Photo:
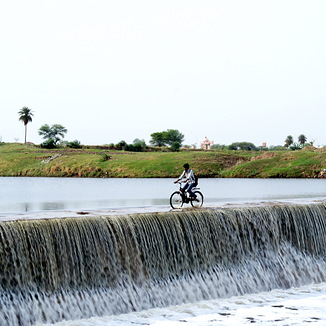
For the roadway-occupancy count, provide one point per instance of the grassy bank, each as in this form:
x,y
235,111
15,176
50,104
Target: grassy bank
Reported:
x,y
30,160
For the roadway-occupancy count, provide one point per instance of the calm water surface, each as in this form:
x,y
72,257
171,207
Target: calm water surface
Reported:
x,y
19,195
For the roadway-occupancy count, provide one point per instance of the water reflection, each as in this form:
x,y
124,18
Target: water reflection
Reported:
x,y
26,207
52,206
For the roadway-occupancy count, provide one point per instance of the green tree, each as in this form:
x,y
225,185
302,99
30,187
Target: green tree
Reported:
x,y
139,145
175,146
52,134
168,137
25,115
246,146
158,139
302,139
173,136
288,141
121,145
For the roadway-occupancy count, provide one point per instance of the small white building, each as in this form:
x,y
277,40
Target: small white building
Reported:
x,y
206,143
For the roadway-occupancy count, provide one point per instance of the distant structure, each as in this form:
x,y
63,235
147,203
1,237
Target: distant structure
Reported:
x,y
206,143
263,144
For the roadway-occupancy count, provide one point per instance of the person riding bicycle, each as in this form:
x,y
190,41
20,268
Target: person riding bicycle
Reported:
x,y
190,181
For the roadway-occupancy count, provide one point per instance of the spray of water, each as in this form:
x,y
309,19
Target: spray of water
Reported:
x,y
57,269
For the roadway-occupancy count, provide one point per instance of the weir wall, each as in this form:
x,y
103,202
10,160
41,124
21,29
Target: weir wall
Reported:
x,y
70,268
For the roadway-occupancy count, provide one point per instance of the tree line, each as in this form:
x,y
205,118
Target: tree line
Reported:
x,y
302,142
53,136
171,138
247,146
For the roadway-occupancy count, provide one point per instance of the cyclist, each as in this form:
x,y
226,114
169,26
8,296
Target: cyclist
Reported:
x,y
190,180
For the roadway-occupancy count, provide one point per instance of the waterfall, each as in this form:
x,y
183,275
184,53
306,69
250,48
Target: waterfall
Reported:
x,y
71,268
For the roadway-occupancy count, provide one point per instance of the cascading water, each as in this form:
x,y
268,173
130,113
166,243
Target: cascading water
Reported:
x,y
57,269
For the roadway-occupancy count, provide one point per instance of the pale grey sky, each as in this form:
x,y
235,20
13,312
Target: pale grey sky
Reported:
x,y
231,70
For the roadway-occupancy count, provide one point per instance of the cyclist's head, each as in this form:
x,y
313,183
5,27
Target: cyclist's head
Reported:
x,y
186,166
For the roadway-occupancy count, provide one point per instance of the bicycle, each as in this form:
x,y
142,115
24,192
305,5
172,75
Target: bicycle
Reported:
x,y
180,197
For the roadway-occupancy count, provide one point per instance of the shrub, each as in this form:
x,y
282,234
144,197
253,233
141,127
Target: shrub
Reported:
x,y
105,157
74,144
121,145
246,146
175,146
49,143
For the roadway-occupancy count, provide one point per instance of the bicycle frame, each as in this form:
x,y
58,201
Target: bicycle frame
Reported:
x,y
180,197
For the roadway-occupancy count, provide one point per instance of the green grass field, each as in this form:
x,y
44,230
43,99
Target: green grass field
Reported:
x,y
31,160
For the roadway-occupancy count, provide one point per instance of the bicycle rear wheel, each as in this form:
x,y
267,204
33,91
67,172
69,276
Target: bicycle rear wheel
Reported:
x,y
176,200
198,202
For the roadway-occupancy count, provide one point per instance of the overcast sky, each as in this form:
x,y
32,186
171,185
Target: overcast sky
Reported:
x,y
246,70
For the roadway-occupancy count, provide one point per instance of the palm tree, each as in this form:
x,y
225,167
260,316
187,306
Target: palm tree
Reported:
x,y
302,139
25,115
288,141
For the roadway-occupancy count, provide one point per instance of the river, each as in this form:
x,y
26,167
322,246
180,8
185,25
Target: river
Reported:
x,y
41,198
31,195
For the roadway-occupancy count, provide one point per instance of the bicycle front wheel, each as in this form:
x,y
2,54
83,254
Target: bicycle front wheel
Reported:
x,y
176,200
198,202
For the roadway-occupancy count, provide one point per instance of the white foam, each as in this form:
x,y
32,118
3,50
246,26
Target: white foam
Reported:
x,y
295,306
